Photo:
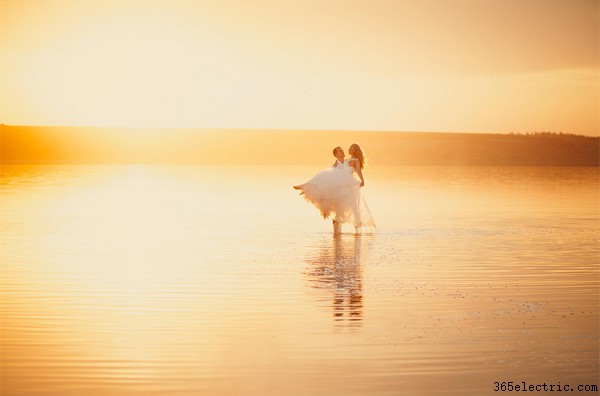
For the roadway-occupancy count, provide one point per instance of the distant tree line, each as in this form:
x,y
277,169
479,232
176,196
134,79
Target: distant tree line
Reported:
x,y
552,134
110,145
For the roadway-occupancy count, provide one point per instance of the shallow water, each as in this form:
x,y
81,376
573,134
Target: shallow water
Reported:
x,y
186,280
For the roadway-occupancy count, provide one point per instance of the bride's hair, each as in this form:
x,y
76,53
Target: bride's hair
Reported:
x,y
357,152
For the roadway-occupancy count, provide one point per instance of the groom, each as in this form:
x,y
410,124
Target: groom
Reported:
x,y
338,153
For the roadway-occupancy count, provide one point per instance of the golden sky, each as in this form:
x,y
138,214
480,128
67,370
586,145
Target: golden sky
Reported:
x,y
411,65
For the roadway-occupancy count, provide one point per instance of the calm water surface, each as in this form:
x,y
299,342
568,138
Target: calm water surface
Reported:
x,y
188,280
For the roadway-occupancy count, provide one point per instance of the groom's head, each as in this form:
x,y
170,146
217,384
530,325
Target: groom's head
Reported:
x,y
338,153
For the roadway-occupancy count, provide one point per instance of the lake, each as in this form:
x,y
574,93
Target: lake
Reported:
x,y
221,280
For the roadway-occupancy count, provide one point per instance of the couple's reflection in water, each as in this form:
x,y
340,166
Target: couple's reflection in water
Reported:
x,y
335,271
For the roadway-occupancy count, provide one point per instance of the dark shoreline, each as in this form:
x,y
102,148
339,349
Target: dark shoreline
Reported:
x,y
22,144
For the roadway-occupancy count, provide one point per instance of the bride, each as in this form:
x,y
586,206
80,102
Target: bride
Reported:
x,y
337,191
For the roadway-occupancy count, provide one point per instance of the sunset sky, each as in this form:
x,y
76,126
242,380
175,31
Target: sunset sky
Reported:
x,y
406,65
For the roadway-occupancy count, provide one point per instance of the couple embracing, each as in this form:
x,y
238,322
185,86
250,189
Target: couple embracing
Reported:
x,y
336,191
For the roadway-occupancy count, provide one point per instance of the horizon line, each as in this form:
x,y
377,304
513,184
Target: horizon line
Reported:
x,y
272,129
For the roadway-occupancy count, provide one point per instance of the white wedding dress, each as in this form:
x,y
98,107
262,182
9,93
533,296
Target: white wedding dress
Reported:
x,y
336,192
